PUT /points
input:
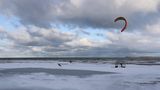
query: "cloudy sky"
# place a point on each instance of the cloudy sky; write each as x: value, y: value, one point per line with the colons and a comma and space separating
x: 79, y: 28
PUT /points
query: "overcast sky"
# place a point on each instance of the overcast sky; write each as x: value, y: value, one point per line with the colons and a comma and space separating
x: 79, y: 28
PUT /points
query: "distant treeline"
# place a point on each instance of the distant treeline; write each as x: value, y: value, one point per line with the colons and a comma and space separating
x: 81, y: 58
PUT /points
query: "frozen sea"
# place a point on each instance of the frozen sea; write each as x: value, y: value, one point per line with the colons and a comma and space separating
x: 36, y: 75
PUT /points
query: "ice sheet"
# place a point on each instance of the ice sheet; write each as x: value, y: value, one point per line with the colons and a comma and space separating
x: 133, y: 77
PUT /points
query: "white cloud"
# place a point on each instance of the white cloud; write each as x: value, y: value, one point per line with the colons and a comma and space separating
x: 21, y: 35
x: 38, y: 37
x: 138, y: 5
x: 153, y: 29
x: 82, y: 13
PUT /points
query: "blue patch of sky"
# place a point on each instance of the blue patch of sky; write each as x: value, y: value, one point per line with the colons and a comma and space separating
x: 90, y: 33
x: 9, y: 23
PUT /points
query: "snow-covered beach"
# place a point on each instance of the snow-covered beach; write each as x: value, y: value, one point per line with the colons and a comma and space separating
x: 36, y: 75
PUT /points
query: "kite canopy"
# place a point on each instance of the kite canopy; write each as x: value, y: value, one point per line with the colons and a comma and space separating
x: 122, y: 18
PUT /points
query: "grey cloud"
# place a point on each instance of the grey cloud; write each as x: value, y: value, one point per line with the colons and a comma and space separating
x: 134, y: 44
x: 31, y: 12
x: 82, y: 13
x: 35, y: 36
x: 39, y: 38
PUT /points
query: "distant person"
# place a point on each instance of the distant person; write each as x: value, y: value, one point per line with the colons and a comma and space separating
x: 70, y: 61
x: 59, y: 65
x: 121, y: 63
x: 122, y: 66
x: 116, y: 66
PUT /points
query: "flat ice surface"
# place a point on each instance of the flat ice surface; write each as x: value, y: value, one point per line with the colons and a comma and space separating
x: 77, y: 76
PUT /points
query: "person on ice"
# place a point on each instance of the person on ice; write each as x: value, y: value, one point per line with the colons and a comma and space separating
x: 121, y: 63
x: 59, y: 65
